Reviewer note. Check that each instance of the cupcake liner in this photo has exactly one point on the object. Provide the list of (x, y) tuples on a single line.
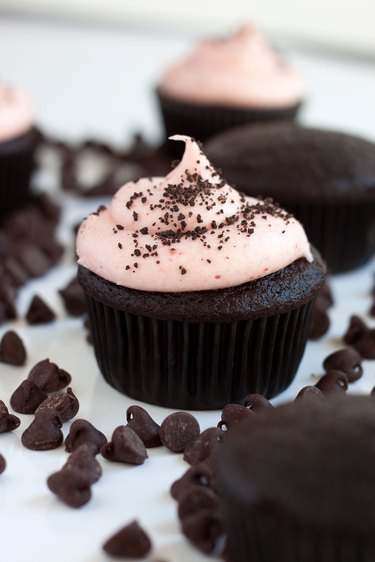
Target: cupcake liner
[(343, 231), (254, 536), (202, 365), (202, 122), (16, 167)]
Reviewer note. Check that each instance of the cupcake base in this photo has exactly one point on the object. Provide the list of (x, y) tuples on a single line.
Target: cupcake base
[(16, 167), (204, 349)]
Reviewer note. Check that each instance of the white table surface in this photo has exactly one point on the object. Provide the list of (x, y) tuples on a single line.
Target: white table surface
[(96, 82)]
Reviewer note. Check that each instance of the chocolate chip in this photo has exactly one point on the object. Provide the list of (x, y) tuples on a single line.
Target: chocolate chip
[(72, 484), (12, 349), (201, 448), (198, 475), (178, 430), (27, 397), (347, 360), (8, 422), (3, 464), (44, 432), (256, 402), (48, 376), (140, 421), (82, 431), (365, 344), (320, 322), (125, 446), (355, 330), (333, 381), (39, 312), (308, 392), (130, 541), (204, 529), (233, 414), (74, 298), (63, 403), (195, 499)]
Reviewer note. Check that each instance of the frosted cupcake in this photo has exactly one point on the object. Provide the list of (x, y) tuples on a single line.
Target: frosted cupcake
[(197, 295), (18, 140), (229, 82)]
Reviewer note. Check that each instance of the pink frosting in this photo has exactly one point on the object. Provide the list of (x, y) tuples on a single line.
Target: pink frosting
[(16, 112), (189, 231), (240, 71)]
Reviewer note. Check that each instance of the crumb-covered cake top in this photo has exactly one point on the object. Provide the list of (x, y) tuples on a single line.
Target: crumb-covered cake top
[(188, 231)]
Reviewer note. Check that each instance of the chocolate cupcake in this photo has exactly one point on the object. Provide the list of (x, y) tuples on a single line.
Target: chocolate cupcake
[(297, 482), (197, 295), (228, 82), (324, 178), (18, 139)]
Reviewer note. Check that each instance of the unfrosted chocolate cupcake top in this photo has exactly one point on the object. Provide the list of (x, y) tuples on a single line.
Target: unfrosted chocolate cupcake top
[(289, 162), (306, 463), (189, 231)]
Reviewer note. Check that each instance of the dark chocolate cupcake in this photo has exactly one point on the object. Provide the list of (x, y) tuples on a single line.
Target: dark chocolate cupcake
[(179, 317), (18, 139), (326, 179), (228, 82), (297, 482)]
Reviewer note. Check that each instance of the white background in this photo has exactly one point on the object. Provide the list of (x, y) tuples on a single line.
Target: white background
[(94, 81)]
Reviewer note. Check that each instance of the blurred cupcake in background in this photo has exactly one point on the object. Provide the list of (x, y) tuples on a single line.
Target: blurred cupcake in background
[(18, 140), (228, 82)]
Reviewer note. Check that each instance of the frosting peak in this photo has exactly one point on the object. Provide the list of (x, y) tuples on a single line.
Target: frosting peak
[(188, 231), (16, 112), (242, 70)]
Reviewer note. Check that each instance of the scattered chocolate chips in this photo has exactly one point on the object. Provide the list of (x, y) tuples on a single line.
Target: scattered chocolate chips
[(3, 464), (308, 392), (233, 414), (39, 312), (256, 402), (201, 448), (204, 529), (27, 397), (140, 421), (333, 381), (65, 404), (125, 446), (72, 484), (355, 330), (48, 376), (195, 499), (130, 541), (73, 298), (12, 349), (8, 422), (347, 360), (199, 474), (178, 430), (320, 322), (82, 431), (44, 432)]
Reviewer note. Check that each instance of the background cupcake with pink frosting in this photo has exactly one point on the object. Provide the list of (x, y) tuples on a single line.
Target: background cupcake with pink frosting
[(227, 82), (18, 140)]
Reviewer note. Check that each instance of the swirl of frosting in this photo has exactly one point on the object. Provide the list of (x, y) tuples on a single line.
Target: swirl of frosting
[(16, 112), (189, 231), (240, 71)]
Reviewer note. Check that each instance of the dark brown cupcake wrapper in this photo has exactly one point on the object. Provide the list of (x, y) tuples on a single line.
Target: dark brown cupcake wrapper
[(260, 538), (202, 365), (202, 122), (16, 167), (343, 231)]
